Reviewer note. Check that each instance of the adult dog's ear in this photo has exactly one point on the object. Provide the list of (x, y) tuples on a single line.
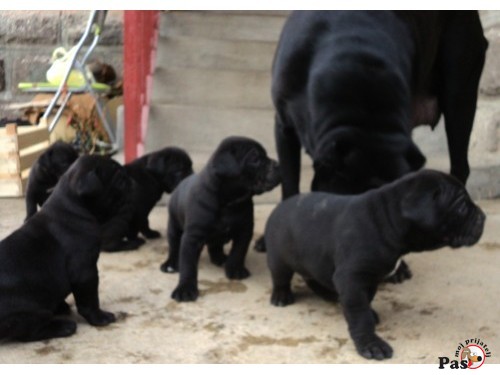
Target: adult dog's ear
[(224, 164), (339, 157), (88, 185)]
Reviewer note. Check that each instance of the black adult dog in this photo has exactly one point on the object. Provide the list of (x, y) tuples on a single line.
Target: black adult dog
[(45, 173), (215, 207), (343, 246), (349, 87), (55, 253), (153, 174)]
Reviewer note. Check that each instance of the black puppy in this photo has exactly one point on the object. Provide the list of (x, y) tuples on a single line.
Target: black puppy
[(343, 246), (214, 207), (45, 173), (153, 174), (349, 86), (55, 253)]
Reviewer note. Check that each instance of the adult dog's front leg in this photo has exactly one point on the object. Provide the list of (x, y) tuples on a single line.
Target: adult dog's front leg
[(462, 59), (288, 147)]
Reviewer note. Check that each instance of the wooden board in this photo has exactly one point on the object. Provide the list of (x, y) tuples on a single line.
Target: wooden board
[(20, 147)]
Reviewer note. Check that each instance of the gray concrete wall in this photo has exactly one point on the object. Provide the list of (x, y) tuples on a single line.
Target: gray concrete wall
[(28, 38)]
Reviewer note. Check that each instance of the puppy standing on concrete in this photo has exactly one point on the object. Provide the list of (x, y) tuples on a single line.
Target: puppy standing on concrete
[(343, 246), (45, 173), (153, 174), (215, 207), (55, 253)]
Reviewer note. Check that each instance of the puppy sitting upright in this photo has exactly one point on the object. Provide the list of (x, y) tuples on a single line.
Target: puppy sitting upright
[(215, 207), (55, 253), (45, 173), (153, 174), (343, 246)]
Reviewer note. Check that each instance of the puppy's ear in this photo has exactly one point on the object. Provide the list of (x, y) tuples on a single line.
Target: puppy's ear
[(45, 159), (225, 164), (88, 185), (418, 204), (155, 163)]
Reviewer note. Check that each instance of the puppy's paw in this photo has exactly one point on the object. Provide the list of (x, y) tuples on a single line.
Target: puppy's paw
[(98, 318), (62, 327), (63, 309), (57, 328), (237, 273), (151, 234), (169, 267), (260, 245), (282, 297), (401, 274), (123, 245), (133, 244), (375, 348), (185, 293), (218, 259)]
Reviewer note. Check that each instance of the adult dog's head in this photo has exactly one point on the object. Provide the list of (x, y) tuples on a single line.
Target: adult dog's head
[(242, 165), (349, 160), (170, 166), (98, 183), (440, 212), (57, 159)]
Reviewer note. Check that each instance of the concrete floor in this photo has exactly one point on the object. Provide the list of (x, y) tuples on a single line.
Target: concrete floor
[(453, 296)]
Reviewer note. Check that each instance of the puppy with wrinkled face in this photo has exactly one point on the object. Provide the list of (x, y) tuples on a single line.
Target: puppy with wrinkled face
[(55, 253), (45, 173), (153, 174), (214, 207), (343, 246)]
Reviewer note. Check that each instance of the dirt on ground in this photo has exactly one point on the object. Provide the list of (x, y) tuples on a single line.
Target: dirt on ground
[(452, 297)]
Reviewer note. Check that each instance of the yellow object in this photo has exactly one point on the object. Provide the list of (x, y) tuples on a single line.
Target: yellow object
[(60, 60)]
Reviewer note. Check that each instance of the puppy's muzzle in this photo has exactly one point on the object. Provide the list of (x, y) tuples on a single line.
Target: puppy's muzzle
[(471, 231), (269, 179)]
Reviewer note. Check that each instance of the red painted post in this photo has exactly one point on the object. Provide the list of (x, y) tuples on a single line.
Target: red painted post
[(140, 33), (140, 49), (130, 84)]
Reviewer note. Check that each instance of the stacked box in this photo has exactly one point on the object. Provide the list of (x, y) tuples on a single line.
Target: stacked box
[(20, 146)]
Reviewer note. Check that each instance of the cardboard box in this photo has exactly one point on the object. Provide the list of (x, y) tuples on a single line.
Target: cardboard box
[(79, 111)]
